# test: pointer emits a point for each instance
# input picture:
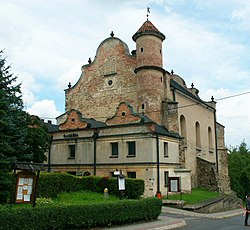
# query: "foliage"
(81, 216)
(51, 184)
(37, 140)
(13, 120)
(196, 196)
(12, 132)
(5, 181)
(20, 140)
(239, 169)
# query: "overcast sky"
(207, 43)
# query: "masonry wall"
(104, 83)
(224, 180)
(193, 113)
(206, 172)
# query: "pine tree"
(22, 138)
(13, 120)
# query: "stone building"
(128, 113)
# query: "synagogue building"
(127, 113)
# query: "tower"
(149, 71)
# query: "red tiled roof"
(148, 27)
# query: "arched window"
(198, 135)
(210, 140)
(183, 128)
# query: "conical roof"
(150, 29)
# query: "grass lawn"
(197, 196)
(80, 197)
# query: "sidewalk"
(165, 222)
(217, 215)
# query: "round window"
(110, 82)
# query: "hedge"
(80, 216)
(50, 184)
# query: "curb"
(218, 215)
(170, 224)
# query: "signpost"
(120, 182)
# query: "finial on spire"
(148, 12)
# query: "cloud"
(242, 15)
(49, 41)
(29, 87)
(72, 76)
(45, 109)
(232, 112)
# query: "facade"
(128, 113)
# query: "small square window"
(131, 174)
(72, 151)
(114, 149)
(131, 148)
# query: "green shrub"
(80, 216)
(134, 188)
(50, 184)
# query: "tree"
(239, 169)
(22, 137)
(37, 140)
(13, 120)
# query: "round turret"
(149, 71)
(148, 45)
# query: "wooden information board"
(25, 187)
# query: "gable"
(73, 121)
(124, 115)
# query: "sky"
(207, 44)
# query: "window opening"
(72, 151)
(198, 135)
(131, 174)
(166, 149)
(131, 148)
(114, 149)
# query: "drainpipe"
(49, 153)
(158, 193)
(95, 136)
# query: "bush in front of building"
(134, 188)
(50, 184)
(80, 216)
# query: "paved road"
(201, 223)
